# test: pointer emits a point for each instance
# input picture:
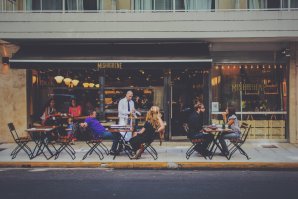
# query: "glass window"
(123, 5)
(258, 93)
(163, 4)
(44, 5)
(90, 4)
(294, 4)
(140, 5)
(179, 5)
(51, 4)
(257, 4)
(229, 4)
(273, 4)
(198, 4)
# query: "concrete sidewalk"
(171, 155)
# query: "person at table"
(50, 110)
(153, 124)
(126, 110)
(99, 131)
(195, 124)
(74, 109)
(230, 118)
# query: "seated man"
(195, 124)
(99, 131)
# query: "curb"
(156, 165)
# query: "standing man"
(126, 108)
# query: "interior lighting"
(234, 67)
(75, 82)
(228, 66)
(280, 66)
(258, 66)
(67, 81)
(34, 79)
(85, 84)
(216, 67)
(269, 66)
(91, 85)
(59, 79)
(97, 85)
(245, 67)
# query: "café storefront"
(172, 76)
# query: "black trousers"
(136, 141)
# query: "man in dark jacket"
(195, 124)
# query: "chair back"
(13, 131)
(246, 129)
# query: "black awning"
(89, 55)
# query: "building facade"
(169, 52)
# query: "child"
(69, 130)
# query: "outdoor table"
(217, 133)
(38, 135)
(122, 141)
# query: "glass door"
(188, 87)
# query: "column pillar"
(293, 94)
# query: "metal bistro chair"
(150, 149)
(235, 144)
(20, 141)
(195, 143)
(64, 142)
(95, 145)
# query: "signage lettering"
(112, 65)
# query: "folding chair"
(95, 145)
(195, 143)
(150, 149)
(236, 143)
(20, 141)
(64, 142)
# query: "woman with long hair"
(153, 124)
(231, 120)
(50, 110)
(74, 109)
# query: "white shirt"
(123, 108)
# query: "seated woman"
(231, 120)
(153, 124)
(49, 111)
(74, 110)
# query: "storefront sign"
(247, 87)
(111, 65)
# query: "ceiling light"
(67, 81)
(59, 79)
